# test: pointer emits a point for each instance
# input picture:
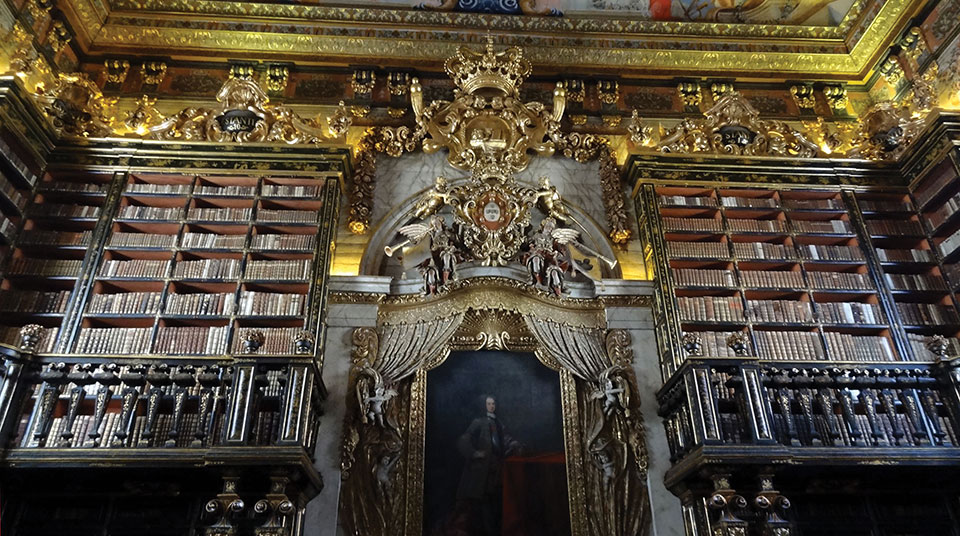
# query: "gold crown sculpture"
(503, 71)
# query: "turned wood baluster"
(106, 378)
(133, 379)
(802, 381)
(911, 404)
(183, 379)
(868, 399)
(929, 402)
(825, 400)
(844, 381)
(79, 377)
(209, 379)
(53, 377)
(781, 383)
(887, 400)
(157, 378)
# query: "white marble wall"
(322, 516)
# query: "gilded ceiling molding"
(244, 115)
(562, 50)
(733, 127)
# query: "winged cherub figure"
(614, 391)
(441, 266)
(373, 395)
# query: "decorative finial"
(739, 343)
(938, 346)
(692, 344)
(252, 339)
(303, 343)
(30, 336)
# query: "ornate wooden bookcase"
(798, 309)
(119, 370)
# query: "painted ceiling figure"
(509, 7)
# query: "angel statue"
(604, 461)
(441, 266)
(433, 200)
(373, 395)
(549, 201)
(549, 256)
(614, 391)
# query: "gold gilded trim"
(114, 36)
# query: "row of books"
(839, 280)
(850, 313)
(34, 301)
(114, 340)
(938, 178)
(822, 226)
(772, 279)
(283, 242)
(8, 229)
(916, 281)
(277, 341)
(779, 311)
(200, 304)
(225, 191)
(757, 226)
(692, 224)
(894, 228)
(847, 347)
(814, 204)
(10, 191)
(879, 205)
(287, 216)
(286, 270)
(48, 337)
(905, 255)
(120, 239)
(688, 201)
(212, 241)
(133, 268)
(288, 190)
(950, 244)
(749, 202)
(225, 214)
(763, 251)
(815, 252)
(789, 345)
(149, 188)
(58, 210)
(939, 216)
(106, 435)
(17, 163)
(69, 187)
(271, 304)
(704, 277)
(45, 267)
(126, 303)
(927, 314)
(717, 250)
(919, 345)
(952, 273)
(142, 212)
(207, 269)
(711, 308)
(36, 237)
(191, 340)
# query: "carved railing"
(744, 402)
(72, 402)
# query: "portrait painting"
(494, 459)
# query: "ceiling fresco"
(793, 12)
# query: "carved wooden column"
(240, 406)
(769, 505)
(295, 414)
(755, 404)
(725, 504)
(224, 511)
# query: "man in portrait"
(485, 445)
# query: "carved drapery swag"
(376, 430)
(612, 443)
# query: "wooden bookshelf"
(190, 262)
(786, 268)
(41, 277)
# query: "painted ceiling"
(785, 39)
(792, 12)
